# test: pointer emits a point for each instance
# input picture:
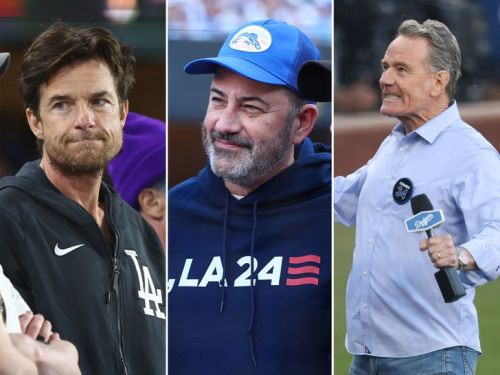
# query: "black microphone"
(447, 277)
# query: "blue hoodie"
(281, 324)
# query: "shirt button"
(401, 149)
(379, 209)
(387, 178)
(364, 306)
(370, 240)
(365, 273)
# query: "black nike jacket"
(105, 297)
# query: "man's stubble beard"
(87, 159)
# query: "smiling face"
(80, 118)
(248, 129)
(411, 91)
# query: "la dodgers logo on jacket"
(147, 290)
(300, 270)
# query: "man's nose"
(228, 121)
(85, 117)
(386, 78)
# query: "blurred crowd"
(204, 19)
(119, 11)
(363, 29)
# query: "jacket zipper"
(115, 291)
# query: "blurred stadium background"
(138, 23)
(197, 28)
(362, 31)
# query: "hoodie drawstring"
(222, 282)
(252, 274)
(252, 286)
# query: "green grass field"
(487, 303)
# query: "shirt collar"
(435, 126)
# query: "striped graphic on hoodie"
(303, 270)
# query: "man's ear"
(35, 123)
(123, 113)
(441, 80)
(306, 119)
(152, 203)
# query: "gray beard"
(257, 161)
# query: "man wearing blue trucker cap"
(250, 236)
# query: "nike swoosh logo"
(60, 252)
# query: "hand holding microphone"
(441, 249)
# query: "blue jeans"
(458, 360)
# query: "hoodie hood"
(31, 180)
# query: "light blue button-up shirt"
(394, 305)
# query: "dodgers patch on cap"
(251, 39)
(402, 191)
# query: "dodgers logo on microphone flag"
(424, 220)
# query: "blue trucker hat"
(266, 51)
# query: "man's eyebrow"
(64, 97)
(242, 98)
(396, 63)
(59, 98)
(100, 94)
(217, 91)
(254, 98)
